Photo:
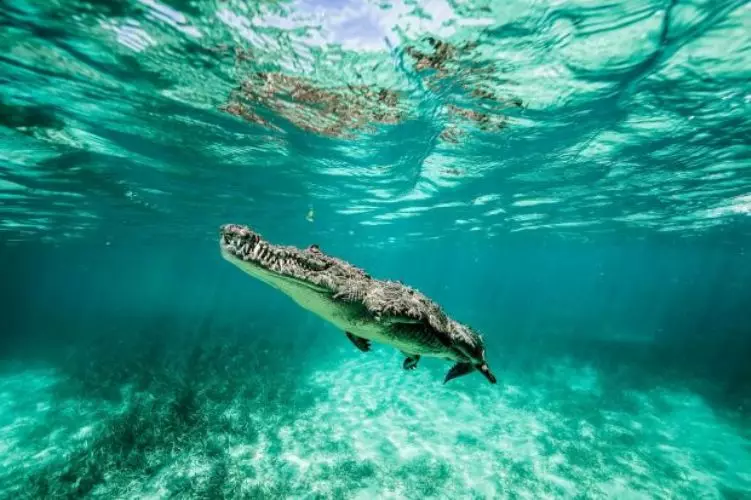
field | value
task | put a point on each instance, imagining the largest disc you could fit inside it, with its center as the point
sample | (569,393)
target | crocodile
(366,309)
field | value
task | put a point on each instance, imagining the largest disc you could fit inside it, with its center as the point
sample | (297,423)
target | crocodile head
(283,267)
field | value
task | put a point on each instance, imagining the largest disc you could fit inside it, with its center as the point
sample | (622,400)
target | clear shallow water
(571,179)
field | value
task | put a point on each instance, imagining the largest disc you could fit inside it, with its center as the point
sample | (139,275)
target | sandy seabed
(362,428)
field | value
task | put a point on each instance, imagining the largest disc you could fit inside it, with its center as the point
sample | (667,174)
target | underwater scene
(375,249)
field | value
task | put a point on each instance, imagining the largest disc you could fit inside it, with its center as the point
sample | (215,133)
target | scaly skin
(371,309)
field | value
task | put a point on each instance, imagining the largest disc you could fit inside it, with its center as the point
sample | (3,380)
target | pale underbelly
(342,316)
(382,334)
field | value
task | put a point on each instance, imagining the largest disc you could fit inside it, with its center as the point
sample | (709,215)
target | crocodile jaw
(269,263)
(285,269)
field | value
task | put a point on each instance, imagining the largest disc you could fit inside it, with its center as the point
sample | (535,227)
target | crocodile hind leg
(458,370)
(360,343)
(410,363)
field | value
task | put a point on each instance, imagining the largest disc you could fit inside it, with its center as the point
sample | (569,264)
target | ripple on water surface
(518,116)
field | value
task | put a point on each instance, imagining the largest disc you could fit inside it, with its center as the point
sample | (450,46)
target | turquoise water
(572,179)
